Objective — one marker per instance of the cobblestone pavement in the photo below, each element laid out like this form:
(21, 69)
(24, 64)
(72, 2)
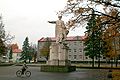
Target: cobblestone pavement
(8, 73)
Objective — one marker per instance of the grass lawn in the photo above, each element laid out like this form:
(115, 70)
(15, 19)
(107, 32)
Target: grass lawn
(116, 74)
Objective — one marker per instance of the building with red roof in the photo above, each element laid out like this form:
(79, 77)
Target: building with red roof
(16, 52)
(76, 47)
(16, 55)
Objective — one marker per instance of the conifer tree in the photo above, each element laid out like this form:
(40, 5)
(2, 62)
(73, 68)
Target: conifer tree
(90, 42)
(26, 54)
(95, 45)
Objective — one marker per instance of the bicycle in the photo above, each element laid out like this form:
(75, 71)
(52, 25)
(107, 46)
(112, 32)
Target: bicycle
(19, 73)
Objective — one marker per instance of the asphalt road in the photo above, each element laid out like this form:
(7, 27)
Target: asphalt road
(9, 73)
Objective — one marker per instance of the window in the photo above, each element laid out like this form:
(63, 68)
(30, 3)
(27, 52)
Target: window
(74, 50)
(68, 43)
(80, 41)
(80, 50)
(75, 56)
(69, 50)
(80, 56)
(69, 56)
(74, 43)
(86, 57)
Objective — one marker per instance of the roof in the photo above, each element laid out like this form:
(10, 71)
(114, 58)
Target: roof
(70, 38)
(17, 51)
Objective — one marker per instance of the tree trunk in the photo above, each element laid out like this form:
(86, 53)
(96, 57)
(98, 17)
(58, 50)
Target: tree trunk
(35, 56)
(99, 62)
(34, 59)
(116, 62)
(112, 63)
(29, 60)
(93, 62)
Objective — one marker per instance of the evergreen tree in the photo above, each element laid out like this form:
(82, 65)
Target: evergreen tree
(91, 42)
(94, 43)
(26, 54)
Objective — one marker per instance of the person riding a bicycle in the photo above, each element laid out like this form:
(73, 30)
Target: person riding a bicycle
(24, 67)
(23, 71)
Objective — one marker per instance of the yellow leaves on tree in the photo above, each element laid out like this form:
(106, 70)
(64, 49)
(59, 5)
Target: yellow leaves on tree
(110, 36)
(111, 33)
(70, 23)
(44, 51)
(80, 10)
(112, 53)
(113, 12)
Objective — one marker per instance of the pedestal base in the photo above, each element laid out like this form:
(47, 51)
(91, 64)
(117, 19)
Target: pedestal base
(59, 62)
(53, 62)
(54, 68)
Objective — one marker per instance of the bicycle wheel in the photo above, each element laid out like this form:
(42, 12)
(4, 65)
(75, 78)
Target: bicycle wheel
(28, 73)
(19, 73)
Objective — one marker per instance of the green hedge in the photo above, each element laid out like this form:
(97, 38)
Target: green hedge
(87, 62)
(6, 64)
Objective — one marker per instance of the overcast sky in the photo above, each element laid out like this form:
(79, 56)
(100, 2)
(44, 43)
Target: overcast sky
(28, 18)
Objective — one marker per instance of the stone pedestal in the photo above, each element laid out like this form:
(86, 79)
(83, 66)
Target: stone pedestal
(53, 60)
(63, 55)
(58, 55)
(58, 61)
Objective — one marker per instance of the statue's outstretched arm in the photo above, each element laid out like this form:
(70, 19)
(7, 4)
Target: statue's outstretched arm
(53, 22)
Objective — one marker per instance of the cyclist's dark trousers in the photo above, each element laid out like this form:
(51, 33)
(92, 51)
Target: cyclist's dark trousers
(23, 70)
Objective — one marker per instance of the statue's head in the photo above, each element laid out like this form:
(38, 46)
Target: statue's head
(60, 17)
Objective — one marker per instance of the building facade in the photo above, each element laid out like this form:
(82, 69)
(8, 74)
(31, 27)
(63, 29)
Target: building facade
(16, 55)
(76, 48)
(16, 52)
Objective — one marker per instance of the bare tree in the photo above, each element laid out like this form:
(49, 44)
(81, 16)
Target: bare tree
(5, 38)
(80, 11)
